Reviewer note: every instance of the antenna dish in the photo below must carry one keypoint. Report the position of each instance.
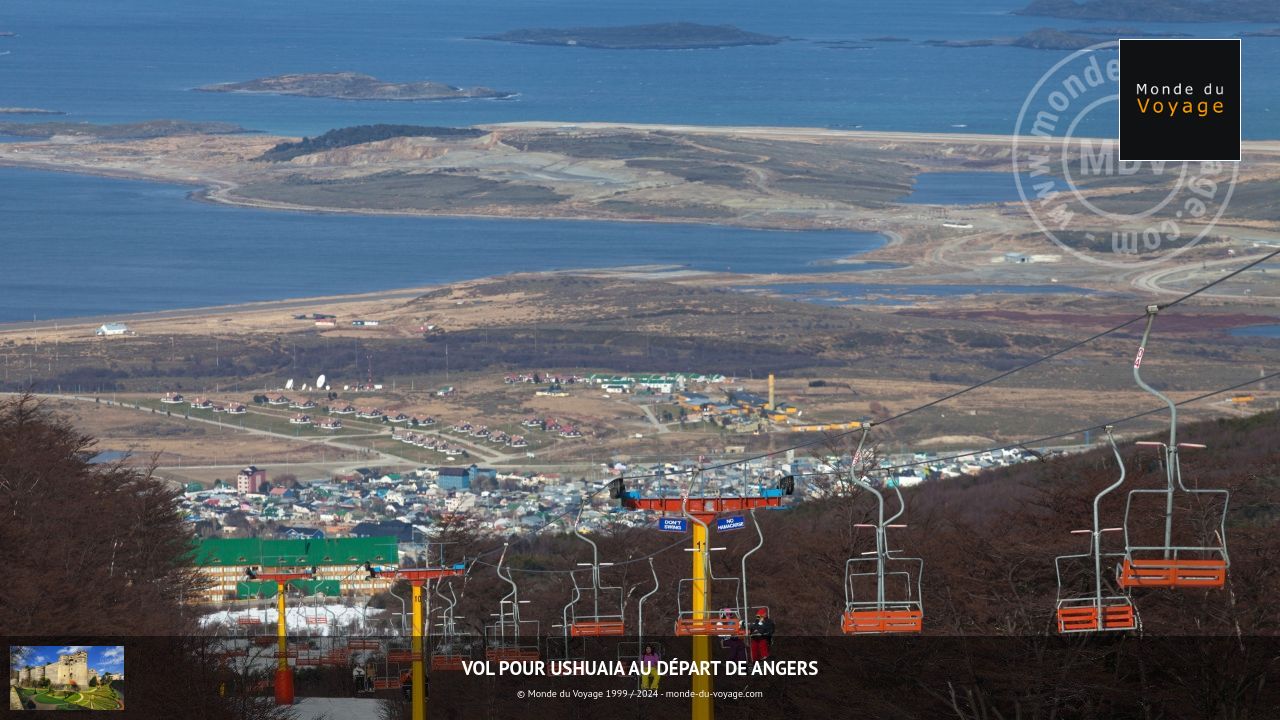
(289, 385)
(320, 381)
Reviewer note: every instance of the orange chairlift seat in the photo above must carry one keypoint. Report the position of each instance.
(594, 615)
(507, 638)
(400, 655)
(453, 648)
(319, 615)
(897, 606)
(1195, 557)
(1102, 609)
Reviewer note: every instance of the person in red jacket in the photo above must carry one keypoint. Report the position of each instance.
(761, 632)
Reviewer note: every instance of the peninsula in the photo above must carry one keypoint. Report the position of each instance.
(662, 36)
(122, 131)
(1039, 39)
(353, 86)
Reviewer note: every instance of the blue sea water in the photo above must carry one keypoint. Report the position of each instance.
(130, 60)
(964, 188)
(116, 246)
(93, 246)
(1267, 331)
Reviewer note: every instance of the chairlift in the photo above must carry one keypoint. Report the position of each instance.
(729, 620)
(250, 618)
(453, 648)
(890, 612)
(625, 652)
(1097, 611)
(1199, 561)
(387, 682)
(504, 637)
(318, 616)
(588, 619)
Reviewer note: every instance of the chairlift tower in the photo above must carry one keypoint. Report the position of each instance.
(702, 510)
(417, 577)
(284, 674)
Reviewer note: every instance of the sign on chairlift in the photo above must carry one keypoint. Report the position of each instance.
(673, 524)
(737, 522)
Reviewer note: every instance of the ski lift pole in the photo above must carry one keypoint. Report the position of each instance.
(419, 674)
(595, 559)
(703, 707)
(1170, 450)
(880, 521)
(640, 610)
(1097, 527)
(284, 677)
(746, 607)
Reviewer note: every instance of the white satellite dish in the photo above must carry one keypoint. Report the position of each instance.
(304, 387)
(320, 381)
(289, 385)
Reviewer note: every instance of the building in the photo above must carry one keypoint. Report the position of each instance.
(454, 478)
(463, 478)
(339, 563)
(71, 669)
(111, 329)
(250, 479)
(403, 532)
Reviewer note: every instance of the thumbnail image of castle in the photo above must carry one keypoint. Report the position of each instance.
(68, 670)
(84, 677)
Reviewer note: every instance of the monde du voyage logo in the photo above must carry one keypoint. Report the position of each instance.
(1162, 187)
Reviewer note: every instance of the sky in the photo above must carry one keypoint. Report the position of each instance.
(103, 658)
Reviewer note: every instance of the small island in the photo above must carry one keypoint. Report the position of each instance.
(28, 111)
(662, 36)
(1157, 10)
(353, 86)
(842, 45)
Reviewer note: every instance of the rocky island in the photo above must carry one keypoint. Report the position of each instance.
(662, 36)
(1157, 10)
(353, 86)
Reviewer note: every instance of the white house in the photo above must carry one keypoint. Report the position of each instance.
(114, 328)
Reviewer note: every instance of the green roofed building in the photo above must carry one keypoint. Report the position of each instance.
(339, 563)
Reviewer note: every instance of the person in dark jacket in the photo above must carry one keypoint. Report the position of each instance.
(761, 632)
